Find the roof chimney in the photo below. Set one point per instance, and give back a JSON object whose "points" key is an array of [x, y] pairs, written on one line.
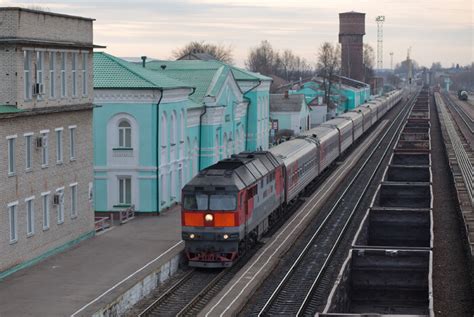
{"points": [[286, 94], [143, 61]]}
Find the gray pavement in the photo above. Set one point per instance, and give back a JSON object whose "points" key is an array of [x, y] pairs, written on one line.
{"points": [[65, 283]]}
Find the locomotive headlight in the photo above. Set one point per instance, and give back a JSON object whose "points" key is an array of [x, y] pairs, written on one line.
{"points": [[208, 217], [192, 236], [225, 236]]}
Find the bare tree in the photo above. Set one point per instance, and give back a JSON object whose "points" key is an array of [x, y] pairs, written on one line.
{"points": [[329, 64], [368, 60], [261, 59], [220, 52]]}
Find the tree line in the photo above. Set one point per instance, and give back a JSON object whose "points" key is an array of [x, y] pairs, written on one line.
{"points": [[286, 64]]}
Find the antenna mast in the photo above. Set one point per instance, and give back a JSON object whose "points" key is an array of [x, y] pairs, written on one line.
{"points": [[380, 20]]}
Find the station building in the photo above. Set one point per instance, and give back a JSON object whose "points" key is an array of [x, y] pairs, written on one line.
{"points": [[46, 95], [157, 124]]}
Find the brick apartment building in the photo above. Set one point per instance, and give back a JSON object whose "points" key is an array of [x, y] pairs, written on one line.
{"points": [[46, 168]]}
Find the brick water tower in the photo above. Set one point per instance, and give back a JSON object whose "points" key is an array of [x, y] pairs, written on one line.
{"points": [[351, 32]]}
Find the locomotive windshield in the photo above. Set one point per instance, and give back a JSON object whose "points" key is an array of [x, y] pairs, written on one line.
{"points": [[210, 202], [196, 202], [222, 202]]}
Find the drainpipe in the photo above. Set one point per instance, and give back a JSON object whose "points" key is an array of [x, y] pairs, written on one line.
{"points": [[158, 151], [248, 112], [200, 135]]}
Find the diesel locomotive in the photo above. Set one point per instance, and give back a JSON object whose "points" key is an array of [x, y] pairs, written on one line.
{"points": [[231, 204]]}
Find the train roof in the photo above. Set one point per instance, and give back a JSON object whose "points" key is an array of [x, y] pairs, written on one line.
{"points": [[320, 132], [289, 148], [338, 122], [235, 173]]}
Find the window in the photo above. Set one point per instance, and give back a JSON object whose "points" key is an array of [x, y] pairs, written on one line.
{"points": [[73, 200], [59, 145], [164, 130], [72, 141], [28, 145], [63, 75], [173, 129], [222, 202], [27, 74], [30, 217], [44, 148], [74, 74], [60, 205], [125, 135], [84, 74], [45, 202], [39, 70], [11, 154], [12, 212], [52, 74], [196, 201], [125, 191]]}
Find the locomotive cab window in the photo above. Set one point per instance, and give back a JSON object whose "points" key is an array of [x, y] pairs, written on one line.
{"points": [[196, 201], [223, 202]]}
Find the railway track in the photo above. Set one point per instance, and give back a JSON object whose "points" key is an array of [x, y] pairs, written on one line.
{"points": [[296, 291], [468, 121], [195, 289]]}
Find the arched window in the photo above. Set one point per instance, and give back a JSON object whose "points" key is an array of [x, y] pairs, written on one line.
{"points": [[216, 147], [173, 129], [125, 134], [195, 157], [182, 122], [224, 146], [164, 130]]}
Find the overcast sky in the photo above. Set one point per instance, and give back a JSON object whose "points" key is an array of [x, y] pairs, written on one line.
{"points": [[436, 30]]}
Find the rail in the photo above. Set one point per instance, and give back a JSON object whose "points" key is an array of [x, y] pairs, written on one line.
{"points": [[462, 157], [102, 223], [279, 289], [468, 121]]}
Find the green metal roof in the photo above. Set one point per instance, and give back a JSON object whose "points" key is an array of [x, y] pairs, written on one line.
{"points": [[113, 72], [207, 77], [9, 109]]}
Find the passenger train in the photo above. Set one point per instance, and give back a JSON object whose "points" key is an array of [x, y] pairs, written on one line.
{"points": [[231, 204]]}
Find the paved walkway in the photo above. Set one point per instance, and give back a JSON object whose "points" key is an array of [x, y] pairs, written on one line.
{"points": [[67, 282]]}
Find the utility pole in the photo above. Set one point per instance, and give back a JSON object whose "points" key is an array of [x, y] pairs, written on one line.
{"points": [[380, 20], [391, 61]]}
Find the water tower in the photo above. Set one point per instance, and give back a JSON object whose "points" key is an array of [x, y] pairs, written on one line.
{"points": [[351, 32]]}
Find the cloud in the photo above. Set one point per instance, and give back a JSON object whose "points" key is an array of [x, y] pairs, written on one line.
{"points": [[157, 27]]}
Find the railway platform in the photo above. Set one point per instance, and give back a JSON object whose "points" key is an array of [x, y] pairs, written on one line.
{"points": [[106, 273]]}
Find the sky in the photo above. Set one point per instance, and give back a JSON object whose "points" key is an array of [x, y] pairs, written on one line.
{"points": [[436, 30]]}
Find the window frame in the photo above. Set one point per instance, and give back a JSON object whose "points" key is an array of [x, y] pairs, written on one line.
{"points": [[30, 216], [13, 209], [27, 82], [84, 74], [60, 206], [44, 148], [122, 199], [39, 70], [45, 209], [59, 145], [63, 75], [122, 134], [11, 145], [52, 74], [28, 151], [72, 142], [74, 74], [73, 193]]}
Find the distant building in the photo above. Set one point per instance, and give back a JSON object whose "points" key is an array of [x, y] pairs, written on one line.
{"points": [[158, 125], [290, 112], [351, 33], [45, 135]]}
